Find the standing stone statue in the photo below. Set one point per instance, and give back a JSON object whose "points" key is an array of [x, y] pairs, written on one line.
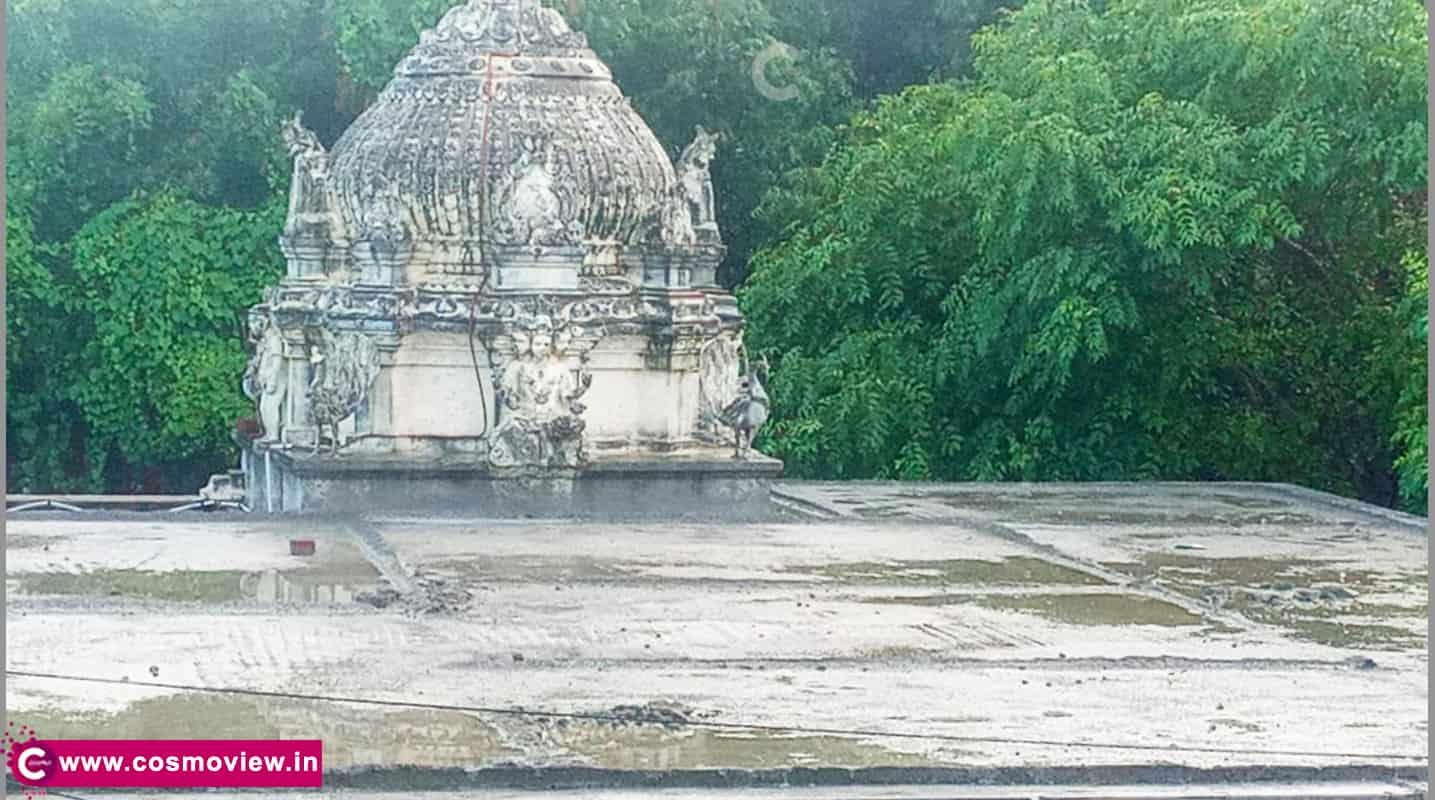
{"points": [[311, 213], [266, 381], [695, 184], [540, 420]]}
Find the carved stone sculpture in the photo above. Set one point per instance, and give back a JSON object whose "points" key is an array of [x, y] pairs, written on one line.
{"points": [[747, 414], [695, 184], [540, 419], [719, 384], [383, 219], [311, 208], [343, 368], [266, 381], [538, 202]]}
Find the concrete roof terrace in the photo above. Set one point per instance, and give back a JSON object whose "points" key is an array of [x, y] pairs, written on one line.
{"points": [[873, 633]]}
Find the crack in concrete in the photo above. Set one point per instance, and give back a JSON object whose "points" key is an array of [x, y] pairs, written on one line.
{"points": [[380, 555], [986, 525]]}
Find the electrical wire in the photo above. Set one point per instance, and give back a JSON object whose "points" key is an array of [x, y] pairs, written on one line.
{"points": [[484, 262], [730, 726], [473, 348]]}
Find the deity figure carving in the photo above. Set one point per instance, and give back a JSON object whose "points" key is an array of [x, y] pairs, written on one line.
{"points": [[675, 221], [384, 217], [343, 367], [540, 419], [695, 184], [534, 201], [266, 381], [311, 210]]}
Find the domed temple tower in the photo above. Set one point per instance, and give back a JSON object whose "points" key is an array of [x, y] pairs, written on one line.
{"points": [[500, 297]]}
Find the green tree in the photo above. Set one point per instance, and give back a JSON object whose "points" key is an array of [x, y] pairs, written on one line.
{"points": [[889, 44], [163, 285], [1412, 434], [107, 97], [109, 101], [1150, 238], [35, 433]]}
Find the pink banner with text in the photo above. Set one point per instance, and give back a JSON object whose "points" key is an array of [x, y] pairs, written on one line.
{"points": [[164, 764]]}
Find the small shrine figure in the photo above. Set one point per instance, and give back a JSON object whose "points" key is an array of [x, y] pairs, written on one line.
{"points": [[536, 205]]}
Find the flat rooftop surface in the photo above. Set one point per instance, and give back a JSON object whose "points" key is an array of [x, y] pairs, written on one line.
{"points": [[884, 633]]}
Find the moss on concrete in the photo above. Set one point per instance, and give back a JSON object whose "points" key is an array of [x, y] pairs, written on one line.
{"points": [[1014, 571], [179, 586], [1074, 609]]}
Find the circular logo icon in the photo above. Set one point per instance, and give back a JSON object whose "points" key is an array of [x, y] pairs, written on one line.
{"points": [[32, 763], [776, 50]]}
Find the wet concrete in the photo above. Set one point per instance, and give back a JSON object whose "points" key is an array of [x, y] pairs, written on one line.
{"points": [[182, 586], [1213, 623], [1076, 609], [1014, 570]]}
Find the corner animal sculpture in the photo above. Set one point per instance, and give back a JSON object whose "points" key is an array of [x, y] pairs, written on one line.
{"points": [[687, 215], [695, 183], [748, 413], [311, 212], [344, 367]]}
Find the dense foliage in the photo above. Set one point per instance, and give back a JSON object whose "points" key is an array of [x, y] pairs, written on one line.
{"points": [[164, 284], [1124, 239], [142, 147], [1412, 431], [1156, 239]]}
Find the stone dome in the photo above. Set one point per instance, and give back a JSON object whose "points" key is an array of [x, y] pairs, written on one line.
{"points": [[501, 129]]}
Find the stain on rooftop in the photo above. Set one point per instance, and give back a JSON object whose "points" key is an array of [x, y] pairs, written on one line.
{"points": [[1074, 609], [1014, 571]]}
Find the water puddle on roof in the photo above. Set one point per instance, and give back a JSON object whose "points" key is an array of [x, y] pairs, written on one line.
{"points": [[323, 586]]}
